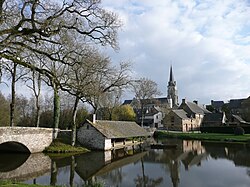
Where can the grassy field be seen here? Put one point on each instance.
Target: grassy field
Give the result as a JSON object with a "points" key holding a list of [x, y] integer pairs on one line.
{"points": [[204, 136], [16, 184]]}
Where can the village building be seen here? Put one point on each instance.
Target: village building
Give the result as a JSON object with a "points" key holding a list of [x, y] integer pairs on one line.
{"points": [[188, 117], [107, 135], [217, 105], [153, 109], [214, 119]]}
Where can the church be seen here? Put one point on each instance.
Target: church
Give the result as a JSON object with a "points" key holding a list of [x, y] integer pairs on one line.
{"points": [[155, 109], [165, 112]]}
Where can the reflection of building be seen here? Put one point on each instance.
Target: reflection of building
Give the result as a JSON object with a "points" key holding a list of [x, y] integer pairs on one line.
{"points": [[88, 171], [106, 135], [193, 145]]}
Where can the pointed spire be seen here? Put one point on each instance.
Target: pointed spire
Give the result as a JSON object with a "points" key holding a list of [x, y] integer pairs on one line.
{"points": [[171, 77]]}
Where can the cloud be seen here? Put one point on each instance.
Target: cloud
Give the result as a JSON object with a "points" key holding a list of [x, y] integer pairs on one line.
{"points": [[206, 41]]}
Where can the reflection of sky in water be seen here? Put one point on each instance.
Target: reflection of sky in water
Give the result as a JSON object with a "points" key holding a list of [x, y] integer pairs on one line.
{"points": [[162, 166], [215, 173]]}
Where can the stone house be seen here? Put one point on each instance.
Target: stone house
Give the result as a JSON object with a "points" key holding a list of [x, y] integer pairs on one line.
{"points": [[107, 135], [178, 120], [188, 117]]}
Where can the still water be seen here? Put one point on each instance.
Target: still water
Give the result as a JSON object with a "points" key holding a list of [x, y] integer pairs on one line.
{"points": [[192, 163]]}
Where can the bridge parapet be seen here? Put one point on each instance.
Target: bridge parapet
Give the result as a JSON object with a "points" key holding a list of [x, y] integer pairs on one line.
{"points": [[34, 138]]}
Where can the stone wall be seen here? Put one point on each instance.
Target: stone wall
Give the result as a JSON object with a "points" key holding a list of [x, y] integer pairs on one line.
{"points": [[35, 139], [91, 138]]}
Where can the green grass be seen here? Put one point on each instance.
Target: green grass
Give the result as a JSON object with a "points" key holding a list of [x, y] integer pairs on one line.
{"points": [[60, 146], [17, 184], [205, 136]]}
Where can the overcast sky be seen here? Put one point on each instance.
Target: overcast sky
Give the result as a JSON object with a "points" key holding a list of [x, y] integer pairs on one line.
{"points": [[206, 41]]}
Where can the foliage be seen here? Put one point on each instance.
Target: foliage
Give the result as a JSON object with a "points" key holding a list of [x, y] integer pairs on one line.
{"points": [[210, 108], [124, 113], [4, 111], [239, 131]]}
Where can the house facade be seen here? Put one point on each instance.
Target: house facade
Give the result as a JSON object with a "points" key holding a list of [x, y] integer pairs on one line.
{"points": [[107, 135], [188, 117], [178, 120]]}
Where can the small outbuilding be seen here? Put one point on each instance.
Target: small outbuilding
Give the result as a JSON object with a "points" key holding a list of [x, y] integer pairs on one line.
{"points": [[107, 135]]}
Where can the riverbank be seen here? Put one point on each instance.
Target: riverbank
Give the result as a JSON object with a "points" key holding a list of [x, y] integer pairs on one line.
{"points": [[204, 136], [62, 145], [16, 184]]}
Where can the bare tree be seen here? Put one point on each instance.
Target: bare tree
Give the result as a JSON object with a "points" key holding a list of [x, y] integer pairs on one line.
{"points": [[39, 28], [90, 78], [145, 90], [15, 74]]}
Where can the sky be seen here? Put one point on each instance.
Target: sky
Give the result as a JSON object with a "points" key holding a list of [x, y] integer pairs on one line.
{"points": [[206, 41]]}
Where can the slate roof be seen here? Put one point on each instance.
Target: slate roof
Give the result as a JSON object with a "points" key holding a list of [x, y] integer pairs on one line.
{"points": [[181, 113], [217, 104], [235, 103], [213, 117], [162, 100], [119, 129], [127, 102], [239, 118], [196, 109]]}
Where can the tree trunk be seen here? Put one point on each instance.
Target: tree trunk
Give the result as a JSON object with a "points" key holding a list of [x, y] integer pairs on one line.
{"points": [[142, 116], [13, 95], [73, 132], [56, 109], [37, 95]]}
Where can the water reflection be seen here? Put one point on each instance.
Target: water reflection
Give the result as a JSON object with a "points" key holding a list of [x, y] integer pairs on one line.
{"points": [[193, 163], [20, 167]]}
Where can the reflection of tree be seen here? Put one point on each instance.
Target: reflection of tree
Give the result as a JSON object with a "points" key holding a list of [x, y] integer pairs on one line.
{"points": [[248, 172], [72, 171], [53, 174], [145, 180]]}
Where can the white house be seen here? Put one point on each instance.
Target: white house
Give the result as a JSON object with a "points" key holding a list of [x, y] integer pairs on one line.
{"points": [[107, 135]]}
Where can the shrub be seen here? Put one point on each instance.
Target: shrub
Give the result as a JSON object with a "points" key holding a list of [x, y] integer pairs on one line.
{"points": [[239, 131]]}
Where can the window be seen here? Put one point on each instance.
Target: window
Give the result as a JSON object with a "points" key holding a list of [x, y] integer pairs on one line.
{"points": [[172, 120], [87, 126]]}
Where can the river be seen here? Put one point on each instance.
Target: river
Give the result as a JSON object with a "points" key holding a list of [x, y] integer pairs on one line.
{"points": [[192, 163]]}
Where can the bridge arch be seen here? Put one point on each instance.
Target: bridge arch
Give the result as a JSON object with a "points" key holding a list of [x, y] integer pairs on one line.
{"points": [[13, 146], [25, 139]]}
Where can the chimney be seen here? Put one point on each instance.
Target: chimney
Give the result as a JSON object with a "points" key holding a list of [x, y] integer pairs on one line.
{"points": [[196, 102], [183, 101], [94, 118]]}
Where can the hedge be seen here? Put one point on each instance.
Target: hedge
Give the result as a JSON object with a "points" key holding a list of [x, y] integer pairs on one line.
{"points": [[224, 129]]}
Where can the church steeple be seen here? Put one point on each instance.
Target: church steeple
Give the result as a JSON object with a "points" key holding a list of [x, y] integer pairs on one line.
{"points": [[172, 89], [171, 76]]}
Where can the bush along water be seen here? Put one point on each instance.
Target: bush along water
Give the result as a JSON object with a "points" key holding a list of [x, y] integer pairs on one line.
{"points": [[239, 131]]}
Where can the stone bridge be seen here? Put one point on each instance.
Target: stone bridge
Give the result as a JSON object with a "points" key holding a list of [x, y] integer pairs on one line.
{"points": [[25, 139]]}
